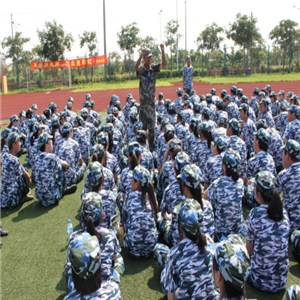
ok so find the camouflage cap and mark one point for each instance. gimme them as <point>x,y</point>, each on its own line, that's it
<point>181,160</point>
<point>123,162</point>
<point>70,99</point>
<point>14,118</point>
<point>114,98</point>
<point>224,119</point>
<point>129,96</point>
<point>223,93</point>
<point>293,109</point>
<point>190,216</point>
<point>86,104</point>
<point>187,57</point>
<point>99,150</point>
<point>295,239</point>
<point>34,106</point>
<point>244,107</point>
<point>32,122</point>
<point>142,176</point>
<point>12,138</point>
<point>167,102</point>
<point>240,91</point>
<point>261,123</point>
<point>233,260</point>
<point>103,138</point>
<point>265,182</point>
<point>273,94</point>
<point>281,92</point>
<point>5,133</point>
<point>222,142</point>
<point>283,106</point>
<point>182,115</point>
<point>179,91</point>
<point>206,111</point>
<point>137,126</point>
<point>115,109</point>
<point>196,106</point>
<point>261,93</point>
<point>52,105</point>
<point>244,99</point>
<point>54,121</point>
<point>132,102</point>
<point>213,91</point>
<point>133,114</point>
<point>233,88</point>
<point>160,116</point>
<point>79,120</point>
<point>42,118</point>
<point>137,105</point>
<point>148,53</point>
<point>23,113</point>
<point>202,97</point>
<point>117,103</point>
<point>187,102</point>
<point>69,104</point>
<point>63,114</point>
<point>164,121</point>
<point>208,97</point>
<point>293,148</point>
<point>29,111</point>
<point>38,126</point>
<point>194,122</point>
<point>256,90</point>
<point>290,94</point>
<point>234,123</point>
<point>268,87</point>
<point>171,106</point>
<point>84,112</point>
<point>66,127</point>
<point>91,206</point>
<point>231,159</point>
<point>263,135</point>
<point>295,98</point>
<point>85,255</point>
<point>43,138</point>
<point>191,176</point>
<point>169,128</point>
<point>227,97</point>
<point>94,173</point>
<point>92,102</point>
<point>88,96</point>
<point>186,96</point>
<point>292,293</point>
<point>174,144</point>
<point>204,126</point>
<point>134,147</point>
<point>265,101</point>
<point>141,134</point>
<point>48,111</point>
<point>110,118</point>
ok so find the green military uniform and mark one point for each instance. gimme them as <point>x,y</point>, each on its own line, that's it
<point>147,99</point>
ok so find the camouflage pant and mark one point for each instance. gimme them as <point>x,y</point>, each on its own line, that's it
<point>79,173</point>
<point>147,117</point>
<point>160,254</point>
<point>163,227</point>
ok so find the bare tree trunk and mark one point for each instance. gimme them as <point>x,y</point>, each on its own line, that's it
<point>284,53</point>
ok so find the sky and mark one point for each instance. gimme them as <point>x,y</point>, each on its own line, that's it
<point>30,15</point>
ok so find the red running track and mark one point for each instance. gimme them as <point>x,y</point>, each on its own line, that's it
<point>12,104</point>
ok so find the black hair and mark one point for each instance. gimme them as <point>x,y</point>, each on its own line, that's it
<point>222,124</point>
<point>220,150</point>
<point>264,126</point>
<point>133,119</point>
<point>208,135</point>
<point>33,137</point>
<point>142,139</point>
<point>230,290</point>
<point>102,160</point>
<point>231,173</point>
<point>53,131</point>
<point>42,148</point>
<point>168,136</point>
<point>195,130</point>
<point>110,140</point>
<point>10,125</point>
<point>65,134</point>
<point>181,120</point>
<point>234,131</point>
<point>255,93</point>
<point>90,227</point>
<point>172,112</point>
<point>196,110</point>
<point>199,238</point>
<point>175,152</point>
<point>47,114</point>
<point>28,114</point>
<point>221,106</point>
<point>197,194</point>
<point>275,208</point>
<point>263,146</point>
<point>115,113</point>
<point>206,117</point>
<point>152,198</point>
<point>293,157</point>
<point>134,159</point>
<point>2,144</point>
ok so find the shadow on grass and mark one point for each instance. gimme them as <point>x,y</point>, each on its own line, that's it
<point>295,270</point>
<point>32,211</point>
<point>62,286</point>
<point>154,282</point>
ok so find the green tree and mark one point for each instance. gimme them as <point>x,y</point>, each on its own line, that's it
<point>171,32</point>
<point>284,35</point>
<point>244,32</point>
<point>90,40</point>
<point>210,38</point>
<point>128,38</point>
<point>54,41</point>
<point>115,60</point>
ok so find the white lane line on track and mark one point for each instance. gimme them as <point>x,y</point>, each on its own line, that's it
<point>48,93</point>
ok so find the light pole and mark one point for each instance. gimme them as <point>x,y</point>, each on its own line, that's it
<point>298,14</point>
<point>104,34</point>
<point>12,30</point>
<point>177,30</point>
<point>160,25</point>
<point>185,26</point>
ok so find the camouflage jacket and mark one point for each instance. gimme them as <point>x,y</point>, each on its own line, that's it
<point>293,131</point>
<point>269,119</point>
<point>274,146</point>
<point>213,169</point>
<point>202,154</point>
<point>248,131</point>
<point>108,184</point>
<point>233,111</point>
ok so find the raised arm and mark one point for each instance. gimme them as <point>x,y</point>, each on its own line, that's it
<point>139,60</point>
<point>163,57</point>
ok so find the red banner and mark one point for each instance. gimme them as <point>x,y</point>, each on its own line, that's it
<point>73,63</point>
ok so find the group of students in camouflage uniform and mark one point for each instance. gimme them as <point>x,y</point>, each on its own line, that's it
<point>181,203</point>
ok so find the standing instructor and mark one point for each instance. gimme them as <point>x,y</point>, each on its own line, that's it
<point>147,74</point>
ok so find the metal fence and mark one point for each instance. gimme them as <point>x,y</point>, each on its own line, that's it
<point>218,63</point>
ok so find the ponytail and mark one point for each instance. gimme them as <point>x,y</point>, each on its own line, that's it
<point>10,125</point>
<point>2,143</point>
<point>152,199</point>
<point>195,130</point>
<point>275,208</point>
<point>134,159</point>
<point>197,194</point>
<point>95,157</point>
<point>110,141</point>
<point>233,174</point>
<point>34,136</point>
<point>208,136</point>
<point>90,228</point>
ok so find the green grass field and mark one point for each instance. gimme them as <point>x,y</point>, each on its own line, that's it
<point>34,253</point>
